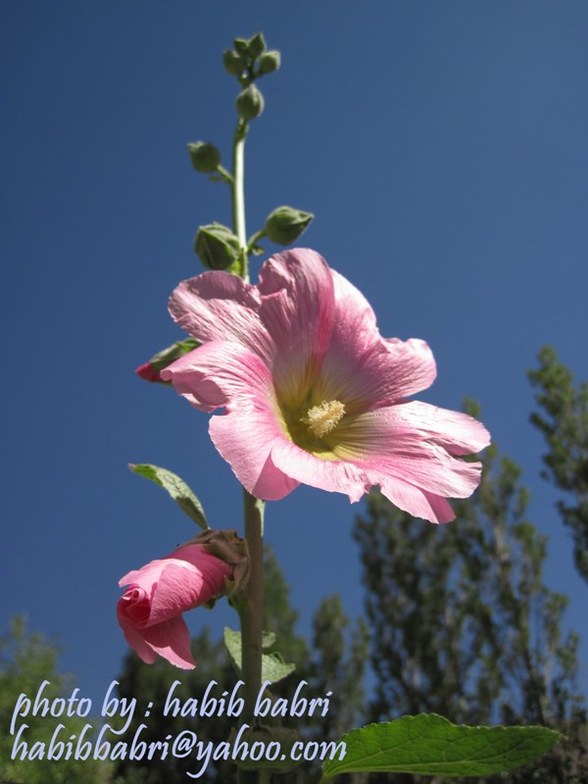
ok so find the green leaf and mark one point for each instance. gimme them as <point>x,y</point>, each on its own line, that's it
<point>169,354</point>
<point>431,745</point>
<point>177,488</point>
<point>273,666</point>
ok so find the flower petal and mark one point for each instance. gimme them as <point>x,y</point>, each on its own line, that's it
<point>221,306</point>
<point>134,637</point>
<point>227,374</point>
<point>171,640</point>
<point>333,475</point>
<point>416,501</point>
<point>416,443</point>
<point>217,372</point>
<point>245,437</point>
<point>297,310</point>
<point>354,480</point>
<point>363,369</point>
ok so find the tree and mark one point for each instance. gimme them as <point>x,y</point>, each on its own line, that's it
<point>26,660</point>
<point>462,624</point>
<point>563,419</point>
<point>338,666</point>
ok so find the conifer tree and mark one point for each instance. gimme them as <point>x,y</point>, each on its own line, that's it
<point>562,417</point>
<point>462,624</point>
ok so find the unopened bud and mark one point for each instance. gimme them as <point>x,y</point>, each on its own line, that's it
<point>150,371</point>
<point>269,62</point>
<point>204,156</point>
<point>216,246</point>
<point>256,45</point>
<point>241,46</point>
<point>285,224</point>
<point>234,63</point>
<point>250,103</point>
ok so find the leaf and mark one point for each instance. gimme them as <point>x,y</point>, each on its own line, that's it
<point>177,488</point>
<point>169,354</point>
<point>432,745</point>
<point>273,666</point>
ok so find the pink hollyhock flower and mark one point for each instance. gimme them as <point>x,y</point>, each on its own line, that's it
<point>312,393</point>
<point>150,610</point>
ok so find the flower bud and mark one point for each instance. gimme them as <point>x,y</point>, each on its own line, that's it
<point>150,371</point>
<point>233,62</point>
<point>241,46</point>
<point>256,45</point>
<point>250,103</point>
<point>216,246</point>
<point>250,47</point>
<point>285,224</point>
<point>204,156</point>
<point>269,62</point>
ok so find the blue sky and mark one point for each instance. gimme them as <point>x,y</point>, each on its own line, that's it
<point>442,147</point>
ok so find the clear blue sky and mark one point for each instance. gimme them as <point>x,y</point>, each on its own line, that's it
<point>443,149</point>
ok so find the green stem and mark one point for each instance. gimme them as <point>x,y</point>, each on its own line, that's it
<point>251,611</point>
<point>238,193</point>
<point>251,603</point>
<point>227,176</point>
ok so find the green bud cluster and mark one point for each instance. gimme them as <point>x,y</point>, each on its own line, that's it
<point>248,60</point>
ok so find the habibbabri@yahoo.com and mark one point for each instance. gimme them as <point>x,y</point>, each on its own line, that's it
<point>102,741</point>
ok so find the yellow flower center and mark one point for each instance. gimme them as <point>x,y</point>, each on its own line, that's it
<point>322,419</point>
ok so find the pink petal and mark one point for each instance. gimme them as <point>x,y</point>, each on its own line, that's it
<point>297,310</point>
<point>406,449</point>
<point>171,640</point>
<point>333,475</point>
<point>459,433</point>
<point>221,306</point>
<point>416,501</point>
<point>227,374</point>
<point>245,437</point>
<point>363,369</point>
<point>354,480</point>
<point>217,372</point>
<point>416,443</point>
<point>135,639</point>
<point>184,579</point>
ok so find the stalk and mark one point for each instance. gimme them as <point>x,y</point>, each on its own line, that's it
<point>251,603</point>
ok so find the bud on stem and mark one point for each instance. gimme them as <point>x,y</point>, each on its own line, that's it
<point>205,157</point>
<point>285,224</point>
<point>250,103</point>
<point>216,246</point>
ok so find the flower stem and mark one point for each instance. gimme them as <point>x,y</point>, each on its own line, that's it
<point>251,603</point>
<point>238,193</point>
<point>252,608</point>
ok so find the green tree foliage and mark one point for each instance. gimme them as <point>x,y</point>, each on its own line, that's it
<point>335,664</point>
<point>462,625</point>
<point>26,660</point>
<point>338,665</point>
<point>562,417</point>
<point>152,683</point>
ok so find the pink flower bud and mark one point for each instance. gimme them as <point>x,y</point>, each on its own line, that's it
<point>147,372</point>
<point>150,610</point>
